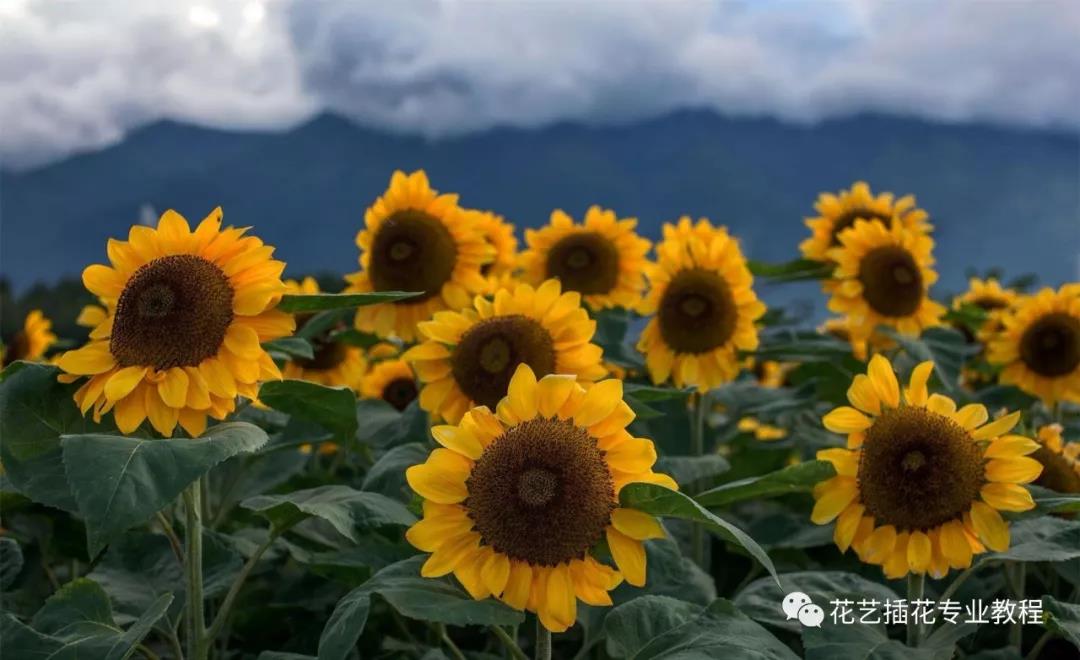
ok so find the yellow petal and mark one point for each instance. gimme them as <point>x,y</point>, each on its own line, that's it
<point>629,556</point>
<point>430,533</point>
<point>103,281</point>
<point>919,552</point>
<point>459,440</point>
<point>846,420</point>
<point>916,392</point>
<point>518,585</point>
<point>600,401</point>
<point>442,478</point>
<point>552,391</point>
<point>121,383</point>
<point>834,496</point>
<point>636,524</point>
<point>496,572</point>
<point>879,545</point>
<point>94,358</point>
<point>990,527</point>
<point>1007,497</point>
<point>846,526</point>
<point>862,395</point>
<point>883,379</point>
<point>942,405</point>
<point>971,415</point>
<point>954,544</point>
<point>522,393</point>
<point>243,341</point>
<point>173,388</point>
<point>561,599</point>
<point>448,556</point>
<point>997,427</point>
<point>130,412</point>
<point>844,461</point>
<point>1016,469</point>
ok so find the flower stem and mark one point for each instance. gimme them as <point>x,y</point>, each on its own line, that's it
<point>915,584</point>
<point>234,590</point>
<point>543,642</point>
<point>1019,573</point>
<point>698,410</point>
<point>196,619</point>
<point>450,645</point>
<point>510,643</point>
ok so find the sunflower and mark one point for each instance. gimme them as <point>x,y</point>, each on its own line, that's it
<point>416,240</point>
<point>705,308</point>
<point>840,211</point>
<point>333,362</point>
<point>516,501</point>
<point>602,259</point>
<point>771,374</point>
<point>920,485</point>
<point>470,356</point>
<point>186,315</point>
<point>989,296</point>
<point>499,234</point>
<point>391,380</point>
<point>840,328</point>
<point>1038,345</point>
<point>1060,460</point>
<point>882,277</point>
<point>761,431</point>
<point>31,342</point>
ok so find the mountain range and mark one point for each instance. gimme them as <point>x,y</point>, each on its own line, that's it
<point>998,197</point>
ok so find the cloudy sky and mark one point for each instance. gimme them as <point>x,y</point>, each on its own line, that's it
<point>76,76</point>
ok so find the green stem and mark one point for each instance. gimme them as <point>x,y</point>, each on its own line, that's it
<point>234,590</point>
<point>698,409</point>
<point>543,642</point>
<point>1037,649</point>
<point>196,620</point>
<point>960,579</point>
<point>1016,631</point>
<point>174,644</point>
<point>170,533</point>
<point>510,643</point>
<point>915,584</point>
<point>445,636</point>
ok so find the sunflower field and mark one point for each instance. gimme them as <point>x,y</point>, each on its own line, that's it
<point>582,444</point>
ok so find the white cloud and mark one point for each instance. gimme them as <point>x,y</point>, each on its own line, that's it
<point>76,76</point>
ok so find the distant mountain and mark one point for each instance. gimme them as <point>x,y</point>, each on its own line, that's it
<point>998,197</point>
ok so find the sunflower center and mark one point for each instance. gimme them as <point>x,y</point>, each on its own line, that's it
<point>585,262</point>
<point>326,356</point>
<point>541,493</point>
<point>1058,472</point>
<point>697,312</point>
<point>848,219</point>
<point>892,282</point>
<point>412,251</point>
<point>400,392</point>
<point>485,359</point>
<point>173,312</point>
<point>918,469</point>
<point>1051,346</point>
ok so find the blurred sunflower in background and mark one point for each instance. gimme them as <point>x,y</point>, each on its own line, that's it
<point>883,276</point>
<point>704,308</point>
<point>603,258</point>
<point>1038,345</point>
<point>989,296</point>
<point>31,342</point>
<point>333,362</point>
<point>921,484</point>
<point>500,236</point>
<point>515,502</point>
<point>470,356</point>
<point>1060,460</point>
<point>391,380</point>
<point>187,312</point>
<point>760,430</point>
<point>416,240</point>
<point>837,212</point>
<point>769,373</point>
<point>840,328</point>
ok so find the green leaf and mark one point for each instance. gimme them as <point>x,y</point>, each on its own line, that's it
<point>322,323</point>
<point>400,584</point>
<point>354,337</point>
<point>35,410</point>
<point>946,347</point>
<point>792,271</point>
<point>633,625</point>
<point>344,508</point>
<point>141,628</point>
<point>761,599</point>
<point>1048,501</point>
<point>321,302</point>
<point>387,476</point>
<point>25,643</point>
<point>119,482</point>
<point>865,642</point>
<point>291,347</point>
<point>11,561</point>
<point>688,471</point>
<point>138,569</point>
<point>331,407</point>
<point>720,631</point>
<point>651,393</point>
<point>1063,619</point>
<point>799,478</point>
<point>662,501</point>
<point>78,602</point>
<point>1048,538</point>
<point>802,346</point>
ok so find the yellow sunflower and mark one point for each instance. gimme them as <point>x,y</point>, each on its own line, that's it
<point>920,485</point>
<point>416,240</point>
<point>602,259</point>
<point>515,502</point>
<point>31,342</point>
<point>840,211</point>
<point>771,374</point>
<point>704,308</point>
<point>761,431</point>
<point>470,356</point>
<point>1060,460</point>
<point>187,312</point>
<point>500,235</point>
<point>882,277</point>
<point>1038,345</point>
<point>333,362</point>
<point>841,329</point>
<point>392,381</point>
<point>989,296</point>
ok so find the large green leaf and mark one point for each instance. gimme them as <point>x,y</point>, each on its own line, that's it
<point>78,602</point>
<point>400,584</point>
<point>864,642</point>
<point>1048,501</point>
<point>387,476</point>
<point>1063,618</point>
<point>35,410</point>
<point>761,599</point>
<point>325,301</point>
<point>632,625</point>
<point>662,501</point>
<point>1041,539</point>
<point>346,509</point>
<point>690,471</point>
<point>946,347</point>
<point>802,346</point>
<point>138,569</point>
<point>119,482</point>
<point>11,561</point>
<point>331,407</point>
<point>792,271</point>
<point>720,631</point>
<point>290,347</point>
<point>799,478</point>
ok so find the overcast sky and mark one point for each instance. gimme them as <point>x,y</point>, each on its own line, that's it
<point>78,75</point>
